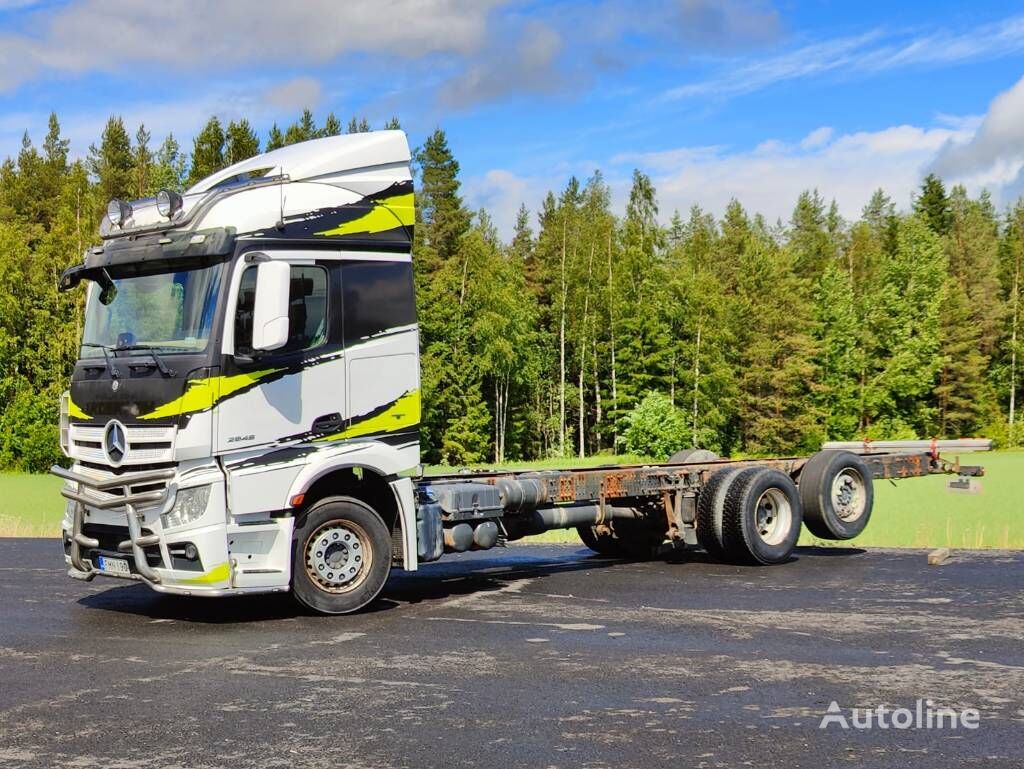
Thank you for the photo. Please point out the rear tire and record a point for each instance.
(602, 544)
(710, 503)
(635, 540)
(837, 491)
(341, 556)
(692, 455)
(761, 517)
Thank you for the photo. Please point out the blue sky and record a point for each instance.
(714, 99)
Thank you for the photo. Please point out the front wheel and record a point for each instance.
(341, 556)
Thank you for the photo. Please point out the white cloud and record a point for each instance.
(869, 53)
(502, 192)
(725, 23)
(528, 63)
(106, 35)
(182, 117)
(768, 179)
(816, 138)
(995, 154)
(294, 94)
(668, 159)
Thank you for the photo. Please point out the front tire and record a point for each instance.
(341, 556)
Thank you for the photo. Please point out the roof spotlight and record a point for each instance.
(118, 212)
(168, 203)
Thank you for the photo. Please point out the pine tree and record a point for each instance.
(703, 382)
(443, 219)
(143, 161)
(643, 349)
(55, 146)
(303, 130)
(275, 139)
(963, 397)
(809, 238)
(332, 126)
(241, 142)
(839, 360)
(358, 126)
(51, 172)
(775, 365)
(1009, 370)
(169, 169)
(973, 247)
(905, 334)
(207, 151)
(112, 163)
(933, 205)
(393, 124)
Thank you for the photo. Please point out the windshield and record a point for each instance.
(171, 311)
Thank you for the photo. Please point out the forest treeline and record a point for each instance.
(744, 336)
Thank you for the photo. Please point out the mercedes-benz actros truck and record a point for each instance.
(243, 415)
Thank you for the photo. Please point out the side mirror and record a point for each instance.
(270, 308)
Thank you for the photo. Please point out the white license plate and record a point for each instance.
(114, 566)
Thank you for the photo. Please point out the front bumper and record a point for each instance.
(106, 494)
(140, 499)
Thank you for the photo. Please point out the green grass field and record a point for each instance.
(920, 512)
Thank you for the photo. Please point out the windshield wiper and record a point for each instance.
(169, 372)
(111, 366)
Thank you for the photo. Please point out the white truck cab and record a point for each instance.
(247, 345)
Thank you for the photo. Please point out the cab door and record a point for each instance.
(298, 391)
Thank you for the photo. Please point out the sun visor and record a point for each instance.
(163, 247)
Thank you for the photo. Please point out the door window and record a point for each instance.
(307, 310)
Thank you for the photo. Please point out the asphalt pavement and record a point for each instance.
(535, 656)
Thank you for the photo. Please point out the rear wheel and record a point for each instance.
(341, 557)
(624, 539)
(761, 516)
(692, 455)
(710, 503)
(602, 543)
(837, 491)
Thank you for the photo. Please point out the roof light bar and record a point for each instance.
(168, 203)
(118, 212)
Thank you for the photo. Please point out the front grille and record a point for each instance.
(146, 444)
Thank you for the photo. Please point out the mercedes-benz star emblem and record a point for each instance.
(115, 445)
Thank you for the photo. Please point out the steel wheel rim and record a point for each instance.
(773, 517)
(849, 494)
(338, 556)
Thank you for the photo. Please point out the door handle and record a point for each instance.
(328, 423)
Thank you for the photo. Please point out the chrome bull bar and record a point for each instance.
(130, 502)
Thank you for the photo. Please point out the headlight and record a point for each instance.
(65, 422)
(189, 506)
